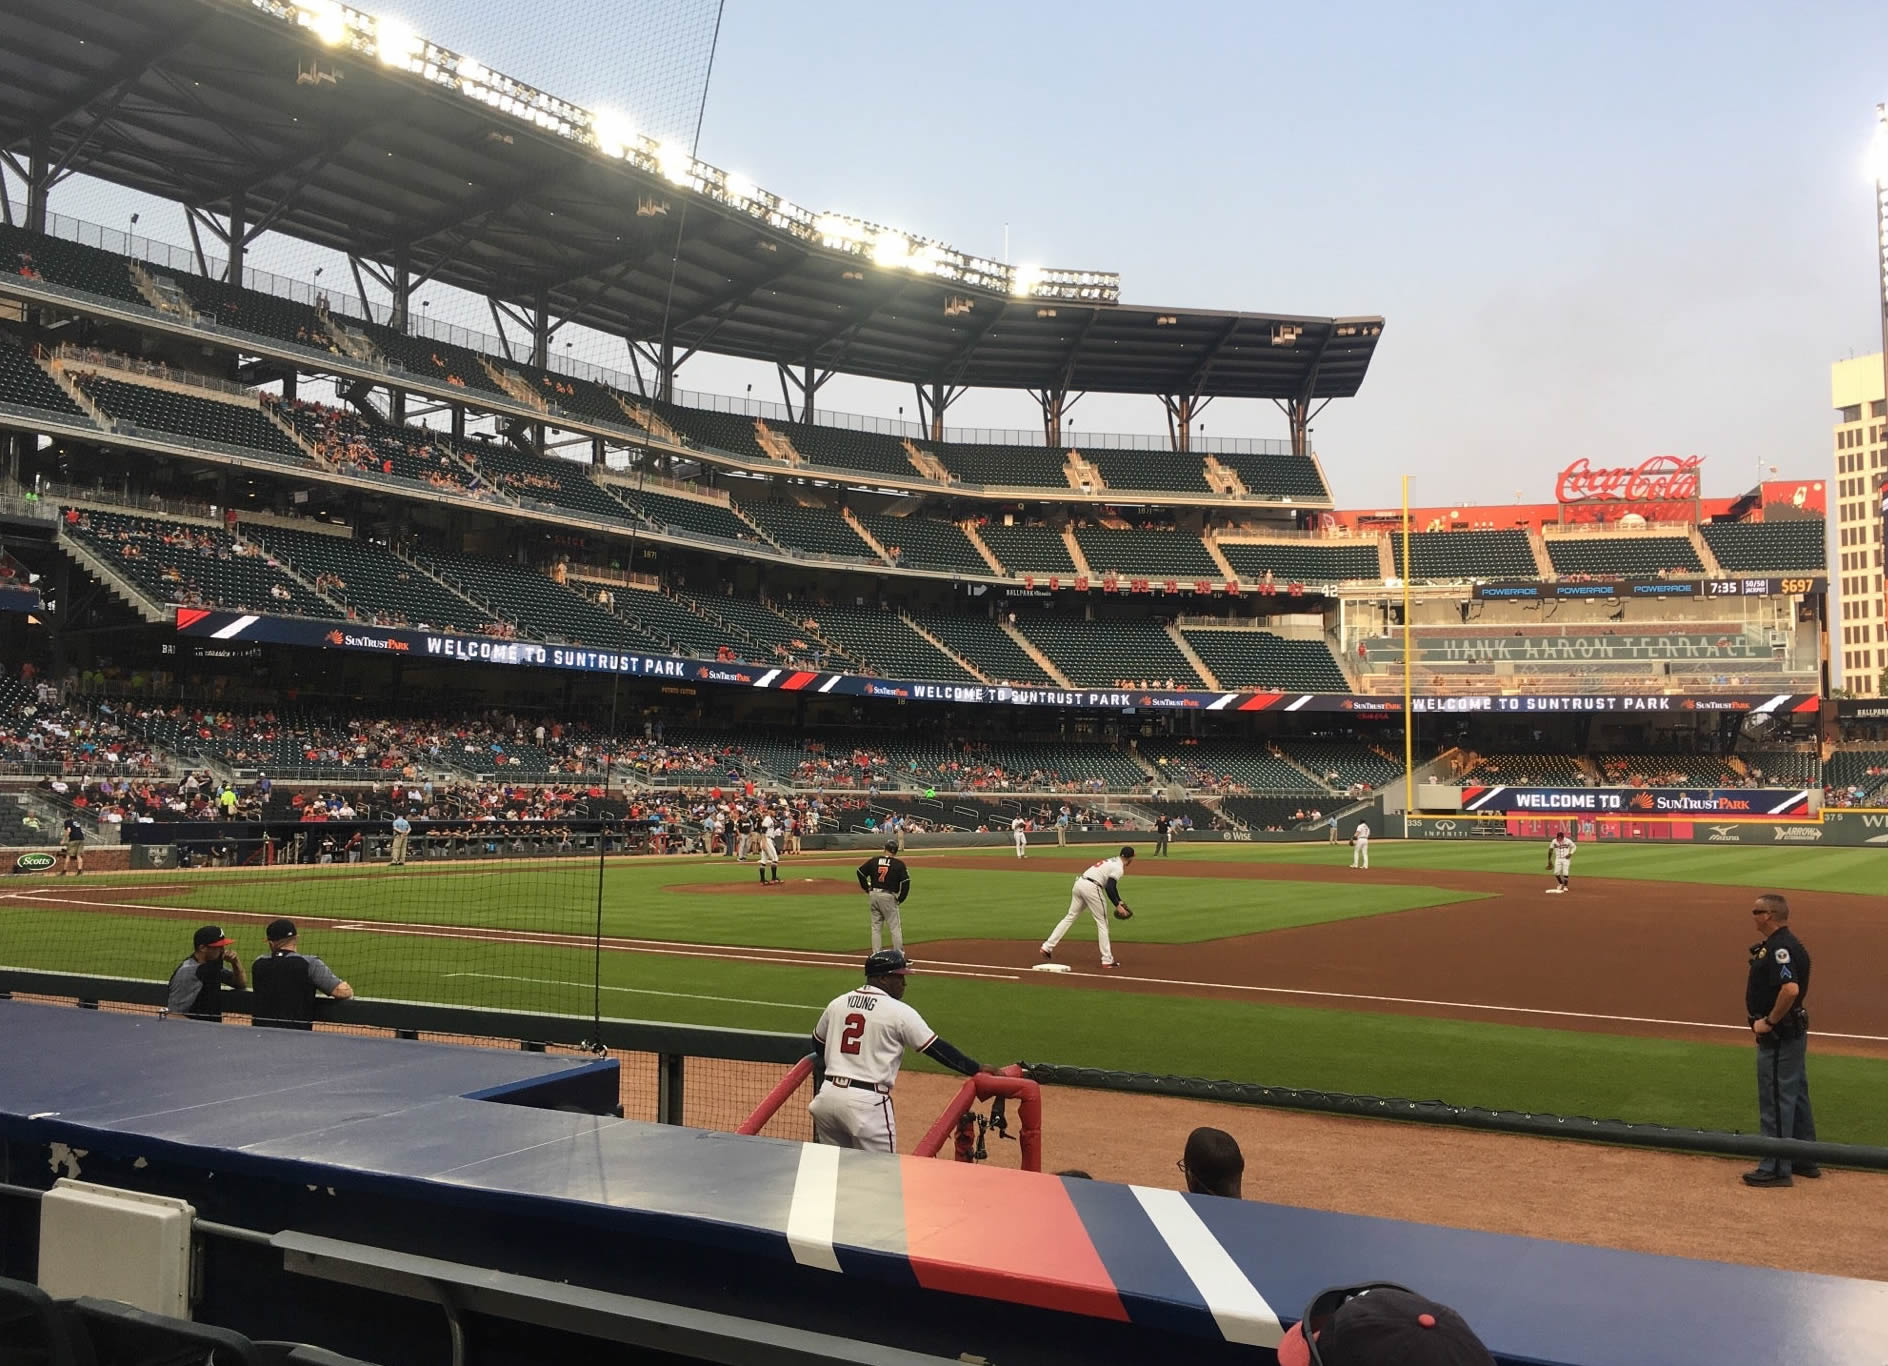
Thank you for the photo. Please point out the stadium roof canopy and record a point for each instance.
(310, 120)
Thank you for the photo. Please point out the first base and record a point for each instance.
(1050, 967)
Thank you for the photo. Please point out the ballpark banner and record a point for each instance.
(1584, 589)
(1750, 803)
(440, 648)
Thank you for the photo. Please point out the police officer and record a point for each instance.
(1774, 999)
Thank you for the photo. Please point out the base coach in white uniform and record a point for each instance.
(862, 1036)
(1098, 888)
(1019, 832)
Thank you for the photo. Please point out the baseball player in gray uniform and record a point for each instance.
(886, 883)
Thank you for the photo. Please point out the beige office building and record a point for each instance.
(1860, 642)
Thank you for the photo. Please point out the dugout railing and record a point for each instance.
(755, 1070)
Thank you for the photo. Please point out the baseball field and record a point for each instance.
(1443, 972)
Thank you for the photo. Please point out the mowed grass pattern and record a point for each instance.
(1066, 1020)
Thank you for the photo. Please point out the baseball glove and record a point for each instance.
(1121, 912)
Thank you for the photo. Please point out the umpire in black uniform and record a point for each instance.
(1774, 998)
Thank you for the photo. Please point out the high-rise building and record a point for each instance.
(1855, 578)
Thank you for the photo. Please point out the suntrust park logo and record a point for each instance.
(366, 642)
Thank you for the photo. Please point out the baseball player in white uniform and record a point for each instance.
(769, 848)
(862, 1037)
(1098, 888)
(1360, 846)
(1560, 860)
(1019, 831)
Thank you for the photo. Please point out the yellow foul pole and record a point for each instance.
(1409, 713)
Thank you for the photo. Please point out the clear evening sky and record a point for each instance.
(1607, 231)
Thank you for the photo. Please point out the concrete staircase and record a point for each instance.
(77, 395)
(1075, 553)
(1705, 557)
(928, 464)
(162, 295)
(858, 529)
(1036, 656)
(1315, 779)
(947, 651)
(1386, 558)
(115, 583)
(515, 385)
(1082, 473)
(978, 544)
(1223, 479)
(777, 445)
(759, 531)
(648, 419)
(1543, 563)
(287, 428)
(1185, 646)
(1219, 558)
(353, 343)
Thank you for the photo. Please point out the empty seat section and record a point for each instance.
(1278, 813)
(1278, 476)
(1776, 547)
(1028, 549)
(986, 645)
(542, 482)
(1259, 659)
(60, 262)
(684, 515)
(1635, 555)
(1527, 770)
(167, 410)
(670, 622)
(23, 382)
(814, 530)
(247, 311)
(372, 580)
(1314, 562)
(925, 543)
(885, 644)
(435, 362)
(1668, 770)
(1163, 555)
(844, 448)
(1857, 777)
(1216, 764)
(184, 562)
(539, 608)
(1110, 654)
(771, 633)
(730, 432)
(1457, 555)
(580, 398)
(1782, 767)
(1342, 763)
(1006, 466)
(1179, 471)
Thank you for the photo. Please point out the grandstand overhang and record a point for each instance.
(257, 125)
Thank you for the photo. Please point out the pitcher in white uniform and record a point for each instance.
(1019, 831)
(862, 1037)
(1098, 888)
(1360, 846)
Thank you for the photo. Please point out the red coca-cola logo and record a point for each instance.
(1662, 479)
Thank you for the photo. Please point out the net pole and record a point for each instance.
(1409, 712)
(603, 845)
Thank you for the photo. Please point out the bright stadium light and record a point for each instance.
(674, 162)
(324, 19)
(394, 42)
(1025, 280)
(739, 189)
(471, 71)
(613, 133)
(891, 250)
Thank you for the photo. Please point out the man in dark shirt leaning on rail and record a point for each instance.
(287, 980)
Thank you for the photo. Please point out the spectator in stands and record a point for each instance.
(287, 980)
(1213, 1164)
(1380, 1324)
(197, 985)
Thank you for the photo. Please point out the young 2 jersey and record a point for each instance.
(864, 1035)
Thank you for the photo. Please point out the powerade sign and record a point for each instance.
(1769, 804)
(1587, 590)
(34, 863)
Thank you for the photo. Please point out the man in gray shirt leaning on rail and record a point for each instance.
(287, 979)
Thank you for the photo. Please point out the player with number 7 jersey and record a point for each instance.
(862, 1037)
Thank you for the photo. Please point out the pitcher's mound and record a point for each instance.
(787, 886)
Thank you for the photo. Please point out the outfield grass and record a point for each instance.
(1463, 1062)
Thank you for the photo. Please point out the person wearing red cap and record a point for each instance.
(197, 985)
(1381, 1325)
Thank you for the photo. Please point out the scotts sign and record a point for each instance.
(1662, 479)
(33, 863)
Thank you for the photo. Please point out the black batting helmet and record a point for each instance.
(887, 963)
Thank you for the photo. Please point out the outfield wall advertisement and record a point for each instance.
(1747, 803)
(1840, 829)
(431, 647)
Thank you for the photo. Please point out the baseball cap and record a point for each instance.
(1381, 1325)
(279, 929)
(887, 963)
(210, 936)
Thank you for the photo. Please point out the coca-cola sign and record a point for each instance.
(1662, 479)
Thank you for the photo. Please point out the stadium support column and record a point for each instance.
(807, 385)
(934, 401)
(238, 238)
(1182, 409)
(38, 183)
(1055, 404)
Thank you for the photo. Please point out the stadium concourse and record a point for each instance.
(293, 577)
